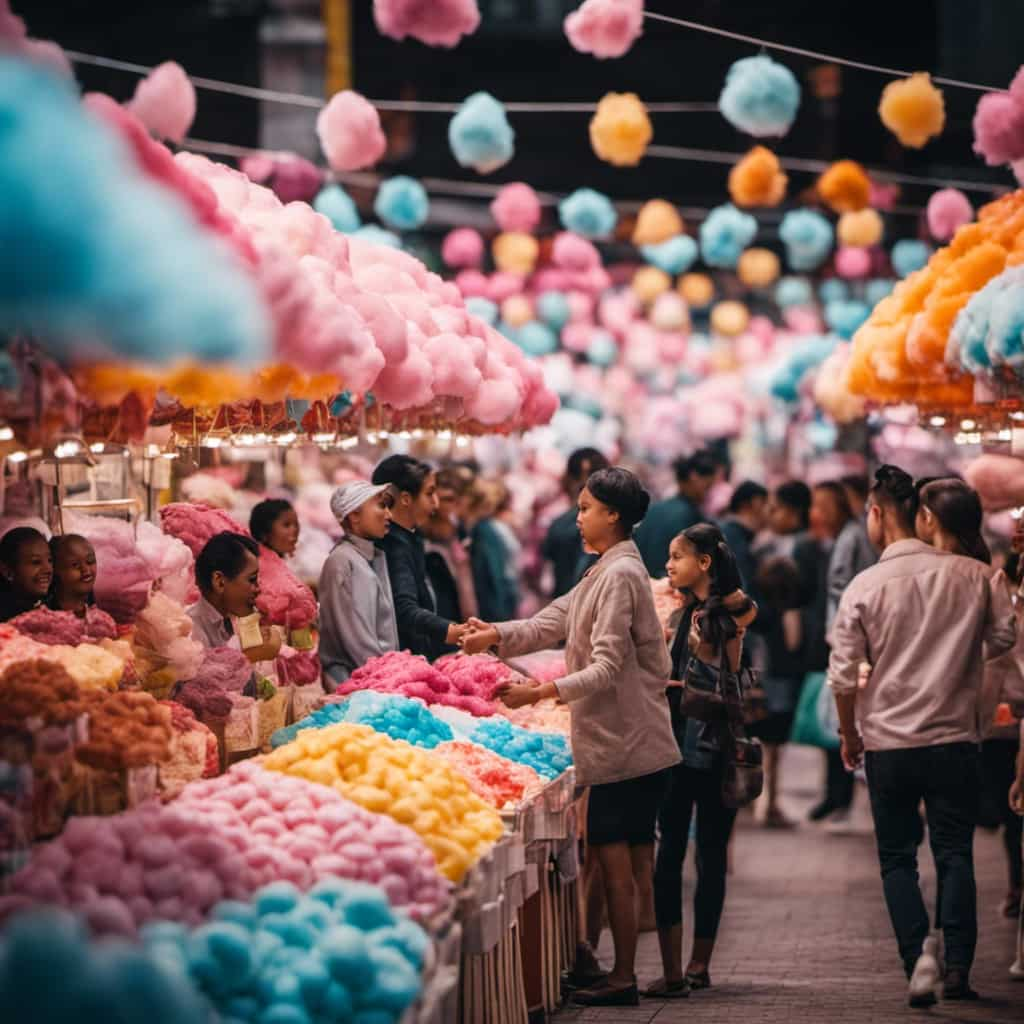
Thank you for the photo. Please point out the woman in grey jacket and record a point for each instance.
(622, 737)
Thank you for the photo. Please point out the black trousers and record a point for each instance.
(838, 782)
(691, 789)
(946, 778)
(999, 769)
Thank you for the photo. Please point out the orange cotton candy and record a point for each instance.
(758, 179)
(845, 187)
(620, 130)
(493, 778)
(657, 222)
(913, 109)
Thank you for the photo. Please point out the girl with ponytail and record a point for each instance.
(715, 616)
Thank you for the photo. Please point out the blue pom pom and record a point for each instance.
(725, 233)
(91, 247)
(760, 97)
(845, 316)
(553, 309)
(603, 349)
(794, 291)
(276, 898)
(674, 256)
(537, 339)
(510, 332)
(483, 308)
(878, 289)
(807, 354)
(908, 255)
(547, 753)
(480, 135)
(402, 203)
(397, 982)
(398, 717)
(376, 235)
(337, 1004)
(588, 213)
(808, 238)
(339, 208)
(346, 956)
(833, 289)
(284, 1013)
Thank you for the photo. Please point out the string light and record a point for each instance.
(17, 457)
(6, 434)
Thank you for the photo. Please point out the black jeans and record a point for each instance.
(689, 788)
(999, 768)
(946, 778)
(838, 782)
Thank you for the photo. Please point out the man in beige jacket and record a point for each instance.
(920, 619)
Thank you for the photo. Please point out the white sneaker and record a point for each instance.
(925, 979)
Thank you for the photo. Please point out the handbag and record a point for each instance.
(815, 723)
(705, 696)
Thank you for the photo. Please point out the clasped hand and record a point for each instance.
(477, 636)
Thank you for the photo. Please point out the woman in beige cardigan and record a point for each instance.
(622, 737)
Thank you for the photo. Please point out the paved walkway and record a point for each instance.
(806, 936)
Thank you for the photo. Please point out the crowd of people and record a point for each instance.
(887, 587)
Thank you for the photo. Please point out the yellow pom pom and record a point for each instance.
(758, 268)
(517, 310)
(758, 179)
(861, 229)
(697, 289)
(650, 282)
(730, 318)
(620, 130)
(845, 186)
(657, 222)
(515, 252)
(913, 109)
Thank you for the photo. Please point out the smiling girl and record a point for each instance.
(74, 574)
(26, 571)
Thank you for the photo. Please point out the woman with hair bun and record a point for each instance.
(622, 738)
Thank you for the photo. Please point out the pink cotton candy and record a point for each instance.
(462, 247)
(407, 385)
(434, 22)
(503, 285)
(572, 252)
(853, 262)
(165, 102)
(999, 481)
(107, 915)
(948, 210)
(454, 368)
(999, 124)
(14, 39)
(605, 28)
(516, 208)
(350, 133)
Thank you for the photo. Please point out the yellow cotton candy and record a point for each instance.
(657, 222)
(861, 229)
(697, 289)
(650, 282)
(517, 310)
(730, 318)
(515, 252)
(758, 268)
(913, 109)
(620, 130)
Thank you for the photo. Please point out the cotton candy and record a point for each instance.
(546, 753)
(760, 97)
(948, 210)
(913, 109)
(758, 268)
(674, 256)
(861, 229)
(808, 238)
(515, 252)
(853, 262)
(621, 130)
(402, 203)
(758, 179)
(516, 208)
(165, 101)
(462, 247)
(658, 221)
(999, 124)
(434, 22)
(845, 317)
(998, 479)
(845, 187)
(605, 28)
(908, 255)
(339, 208)
(725, 233)
(480, 135)
(350, 133)
(989, 330)
(588, 213)
(805, 356)
(793, 291)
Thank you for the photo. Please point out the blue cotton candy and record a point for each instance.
(760, 97)
(346, 955)
(376, 235)
(339, 208)
(537, 339)
(725, 233)
(808, 238)
(908, 255)
(92, 249)
(483, 308)
(284, 1013)
(878, 289)
(276, 898)
(402, 203)
(399, 717)
(674, 256)
(833, 289)
(510, 332)
(845, 316)
(588, 213)
(480, 135)
(989, 330)
(809, 353)
(794, 291)
(546, 753)
(552, 308)
(603, 349)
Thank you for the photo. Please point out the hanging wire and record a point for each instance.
(415, 106)
(767, 44)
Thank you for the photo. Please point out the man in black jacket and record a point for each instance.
(420, 629)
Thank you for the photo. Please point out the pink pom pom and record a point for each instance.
(165, 102)
(463, 247)
(296, 179)
(516, 208)
(576, 336)
(999, 124)
(948, 210)
(581, 306)
(605, 28)
(350, 132)
(571, 252)
(472, 284)
(504, 285)
(434, 22)
(853, 262)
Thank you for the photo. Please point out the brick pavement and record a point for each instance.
(806, 936)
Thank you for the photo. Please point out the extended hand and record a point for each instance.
(478, 637)
(455, 634)
(851, 748)
(518, 695)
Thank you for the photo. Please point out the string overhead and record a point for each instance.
(768, 44)
(410, 106)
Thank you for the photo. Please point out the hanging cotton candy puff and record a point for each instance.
(999, 124)
(913, 109)
(760, 97)
(725, 233)
(948, 210)
(480, 135)
(621, 130)
(402, 203)
(516, 208)
(165, 102)
(350, 133)
(605, 28)
(434, 22)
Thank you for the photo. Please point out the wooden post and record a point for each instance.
(337, 17)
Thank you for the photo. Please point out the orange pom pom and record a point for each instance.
(758, 268)
(657, 222)
(861, 230)
(758, 179)
(845, 187)
(913, 109)
(697, 289)
(620, 130)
